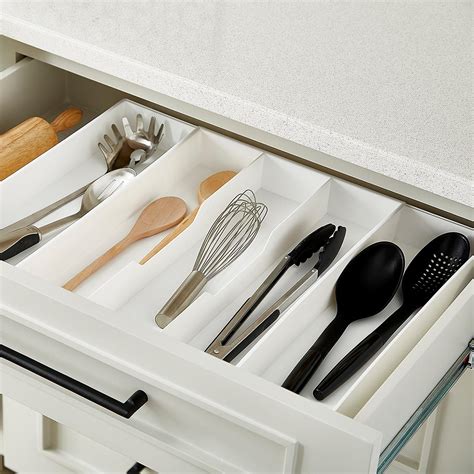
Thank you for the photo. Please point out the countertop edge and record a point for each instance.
(352, 150)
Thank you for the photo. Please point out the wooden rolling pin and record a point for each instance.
(31, 138)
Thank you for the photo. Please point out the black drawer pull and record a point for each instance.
(136, 468)
(125, 409)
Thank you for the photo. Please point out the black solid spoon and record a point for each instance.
(425, 275)
(363, 289)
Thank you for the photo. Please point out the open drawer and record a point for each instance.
(202, 414)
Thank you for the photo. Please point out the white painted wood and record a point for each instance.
(39, 444)
(453, 438)
(430, 359)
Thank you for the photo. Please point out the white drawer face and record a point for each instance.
(202, 414)
(44, 445)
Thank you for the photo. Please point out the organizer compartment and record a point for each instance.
(287, 341)
(143, 289)
(76, 161)
(178, 173)
(31, 88)
(331, 204)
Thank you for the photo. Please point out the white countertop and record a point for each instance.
(385, 86)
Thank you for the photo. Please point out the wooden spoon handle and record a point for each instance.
(99, 262)
(67, 119)
(184, 224)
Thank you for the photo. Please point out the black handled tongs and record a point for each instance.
(329, 241)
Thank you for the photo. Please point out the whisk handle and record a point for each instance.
(182, 298)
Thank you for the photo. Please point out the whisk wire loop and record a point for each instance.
(230, 234)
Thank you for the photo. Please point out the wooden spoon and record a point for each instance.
(158, 216)
(206, 189)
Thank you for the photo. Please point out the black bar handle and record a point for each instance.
(125, 409)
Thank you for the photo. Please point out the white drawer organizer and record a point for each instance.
(202, 414)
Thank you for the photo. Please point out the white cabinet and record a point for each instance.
(74, 356)
(36, 443)
(444, 443)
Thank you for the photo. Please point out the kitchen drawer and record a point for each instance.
(36, 443)
(202, 414)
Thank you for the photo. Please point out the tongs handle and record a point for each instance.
(222, 348)
(218, 346)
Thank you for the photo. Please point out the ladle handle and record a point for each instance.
(60, 223)
(308, 364)
(362, 353)
(16, 241)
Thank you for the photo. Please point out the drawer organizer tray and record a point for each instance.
(121, 299)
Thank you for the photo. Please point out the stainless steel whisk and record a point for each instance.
(229, 236)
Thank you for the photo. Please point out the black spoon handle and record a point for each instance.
(308, 364)
(362, 353)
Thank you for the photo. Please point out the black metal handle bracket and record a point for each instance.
(125, 409)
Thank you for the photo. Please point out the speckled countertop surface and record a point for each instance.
(387, 86)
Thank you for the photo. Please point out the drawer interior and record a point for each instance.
(299, 200)
(31, 88)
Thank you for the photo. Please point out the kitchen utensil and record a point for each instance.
(28, 140)
(158, 216)
(326, 237)
(142, 139)
(363, 289)
(229, 236)
(115, 151)
(208, 187)
(425, 275)
(14, 242)
(117, 155)
(40, 214)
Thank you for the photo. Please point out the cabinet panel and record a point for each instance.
(36, 443)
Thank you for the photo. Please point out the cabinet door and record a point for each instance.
(444, 443)
(36, 443)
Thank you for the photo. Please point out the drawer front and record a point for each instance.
(203, 412)
(409, 385)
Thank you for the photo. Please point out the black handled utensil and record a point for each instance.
(363, 289)
(222, 346)
(425, 275)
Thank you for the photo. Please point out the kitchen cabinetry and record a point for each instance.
(201, 414)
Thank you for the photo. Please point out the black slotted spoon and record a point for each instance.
(425, 275)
